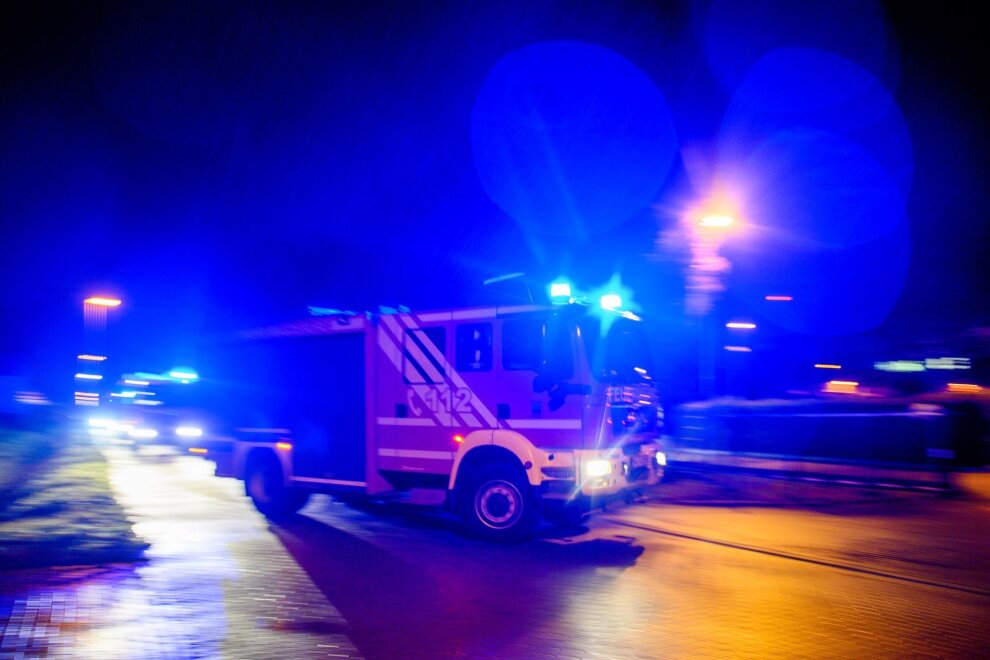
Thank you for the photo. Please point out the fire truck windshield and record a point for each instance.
(618, 352)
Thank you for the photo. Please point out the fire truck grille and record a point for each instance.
(558, 472)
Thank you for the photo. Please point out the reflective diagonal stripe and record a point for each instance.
(391, 349)
(418, 368)
(455, 381)
(471, 420)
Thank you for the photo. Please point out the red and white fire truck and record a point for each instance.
(504, 414)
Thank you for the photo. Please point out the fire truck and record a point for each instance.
(503, 414)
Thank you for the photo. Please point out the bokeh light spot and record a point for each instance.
(571, 139)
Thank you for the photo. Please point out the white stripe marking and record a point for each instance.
(406, 421)
(338, 482)
(487, 313)
(544, 423)
(433, 316)
(416, 453)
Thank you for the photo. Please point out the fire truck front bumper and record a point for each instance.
(597, 476)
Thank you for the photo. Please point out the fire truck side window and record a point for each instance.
(474, 347)
(522, 344)
(423, 355)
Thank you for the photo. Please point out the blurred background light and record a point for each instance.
(571, 139)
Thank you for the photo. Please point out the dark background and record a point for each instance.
(223, 165)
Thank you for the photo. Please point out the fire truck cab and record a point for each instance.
(502, 414)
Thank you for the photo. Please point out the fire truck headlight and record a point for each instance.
(188, 431)
(597, 467)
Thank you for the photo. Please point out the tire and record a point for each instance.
(265, 485)
(497, 504)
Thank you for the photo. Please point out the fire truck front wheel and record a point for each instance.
(266, 488)
(499, 505)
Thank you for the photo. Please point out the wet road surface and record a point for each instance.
(838, 576)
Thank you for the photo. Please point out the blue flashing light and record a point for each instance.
(611, 301)
(560, 290)
(183, 374)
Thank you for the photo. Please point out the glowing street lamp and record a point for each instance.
(717, 221)
(100, 301)
(94, 326)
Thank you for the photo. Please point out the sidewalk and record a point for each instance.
(216, 583)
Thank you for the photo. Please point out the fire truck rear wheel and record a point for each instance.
(499, 505)
(266, 488)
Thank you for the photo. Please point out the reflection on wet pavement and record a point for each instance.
(217, 583)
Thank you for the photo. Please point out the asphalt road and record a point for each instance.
(811, 572)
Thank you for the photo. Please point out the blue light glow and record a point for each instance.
(560, 290)
(809, 89)
(736, 33)
(611, 301)
(183, 374)
(571, 139)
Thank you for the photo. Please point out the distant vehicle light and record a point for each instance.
(31, 398)
(901, 366)
(597, 467)
(142, 432)
(560, 290)
(102, 302)
(610, 301)
(778, 298)
(197, 450)
(947, 363)
(188, 431)
(133, 381)
(183, 374)
(92, 358)
(738, 349)
(841, 386)
(146, 402)
(126, 394)
(89, 376)
(968, 388)
(639, 370)
(285, 446)
(828, 366)
(661, 459)
(740, 325)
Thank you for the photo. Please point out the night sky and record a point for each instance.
(219, 165)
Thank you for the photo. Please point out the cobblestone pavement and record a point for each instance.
(217, 583)
(846, 577)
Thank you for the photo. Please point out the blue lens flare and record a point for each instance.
(737, 33)
(812, 89)
(571, 139)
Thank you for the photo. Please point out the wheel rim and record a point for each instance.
(498, 504)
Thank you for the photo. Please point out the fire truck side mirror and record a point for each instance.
(559, 393)
(543, 383)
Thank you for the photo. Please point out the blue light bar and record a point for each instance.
(611, 301)
(560, 290)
